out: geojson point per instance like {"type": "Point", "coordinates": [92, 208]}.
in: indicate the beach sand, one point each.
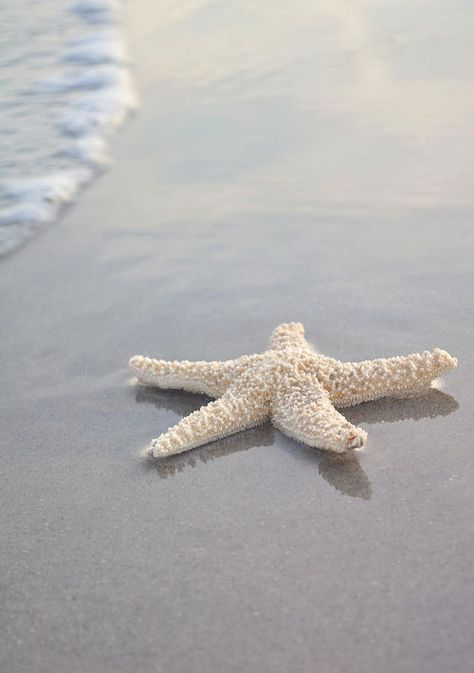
{"type": "Point", "coordinates": [274, 173]}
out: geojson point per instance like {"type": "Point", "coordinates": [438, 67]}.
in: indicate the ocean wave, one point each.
{"type": "Point", "coordinates": [89, 150]}
{"type": "Point", "coordinates": [93, 78]}
{"type": "Point", "coordinates": [97, 11]}
{"type": "Point", "coordinates": [101, 47]}
{"type": "Point", "coordinates": [96, 94]}
{"type": "Point", "coordinates": [36, 201]}
{"type": "Point", "coordinates": [99, 111]}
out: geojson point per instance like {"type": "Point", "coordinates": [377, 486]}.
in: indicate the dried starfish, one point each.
{"type": "Point", "coordinates": [290, 384]}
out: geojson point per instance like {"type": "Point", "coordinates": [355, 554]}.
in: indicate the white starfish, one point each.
{"type": "Point", "coordinates": [290, 384]}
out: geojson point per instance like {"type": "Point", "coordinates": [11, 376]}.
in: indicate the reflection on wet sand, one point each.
{"type": "Point", "coordinates": [177, 401]}
{"type": "Point", "coordinates": [343, 472]}
{"type": "Point", "coordinates": [249, 439]}
{"type": "Point", "coordinates": [346, 475]}
{"type": "Point", "coordinates": [391, 410]}
{"type": "Point", "coordinates": [328, 104]}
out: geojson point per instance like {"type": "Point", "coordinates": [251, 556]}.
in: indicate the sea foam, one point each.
{"type": "Point", "coordinates": [90, 150]}
{"type": "Point", "coordinates": [99, 77]}
{"type": "Point", "coordinates": [104, 46]}
{"type": "Point", "coordinates": [94, 89]}
{"type": "Point", "coordinates": [99, 111]}
{"type": "Point", "coordinates": [97, 11]}
{"type": "Point", "coordinates": [36, 201]}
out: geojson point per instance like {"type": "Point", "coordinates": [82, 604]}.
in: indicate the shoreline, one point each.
{"type": "Point", "coordinates": [233, 556]}
{"type": "Point", "coordinates": [83, 97]}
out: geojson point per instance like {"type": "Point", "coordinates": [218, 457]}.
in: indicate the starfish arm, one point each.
{"type": "Point", "coordinates": [209, 378]}
{"type": "Point", "coordinates": [355, 382]}
{"type": "Point", "coordinates": [303, 410]}
{"type": "Point", "coordinates": [233, 412]}
{"type": "Point", "coordinates": [288, 335]}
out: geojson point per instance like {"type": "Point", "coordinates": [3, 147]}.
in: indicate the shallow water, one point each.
{"type": "Point", "coordinates": [327, 104]}
{"type": "Point", "coordinates": [65, 85]}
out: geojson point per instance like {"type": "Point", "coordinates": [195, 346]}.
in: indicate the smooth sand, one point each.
{"type": "Point", "coordinates": [281, 168]}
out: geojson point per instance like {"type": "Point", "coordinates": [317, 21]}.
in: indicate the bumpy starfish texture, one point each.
{"type": "Point", "coordinates": [290, 384]}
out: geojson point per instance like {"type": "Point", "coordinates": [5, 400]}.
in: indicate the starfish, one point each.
{"type": "Point", "coordinates": [290, 384]}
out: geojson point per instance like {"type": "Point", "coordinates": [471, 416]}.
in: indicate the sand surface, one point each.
{"type": "Point", "coordinates": [315, 166]}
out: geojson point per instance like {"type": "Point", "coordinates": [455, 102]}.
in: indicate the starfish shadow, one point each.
{"type": "Point", "coordinates": [391, 410]}
{"type": "Point", "coordinates": [182, 403]}
{"type": "Point", "coordinates": [262, 435]}
{"type": "Point", "coordinates": [344, 473]}
{"type": "Point", "coordinates": [177, 401]}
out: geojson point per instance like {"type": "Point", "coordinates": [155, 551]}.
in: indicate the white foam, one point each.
{"type": "Point", "coordinates": [94, 48]}
{"type": "Point", "coordinates": [48, 188]}
{"type": "Point", "coordinates": [97, 99]}
{"type": "Point", "coordinates": [90, 150]}
{"type": "Point", "coordinates": [93, 78]}
{"type": "Point", "coordinates": [99, 111]}
{"type": "Point", "coordinates": [96, 11]}
{"type": "Point", "coordinates": [36, 201]}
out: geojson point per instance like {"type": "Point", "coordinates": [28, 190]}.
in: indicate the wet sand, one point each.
{"type": "Point", "coordinates": [312, 167]}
